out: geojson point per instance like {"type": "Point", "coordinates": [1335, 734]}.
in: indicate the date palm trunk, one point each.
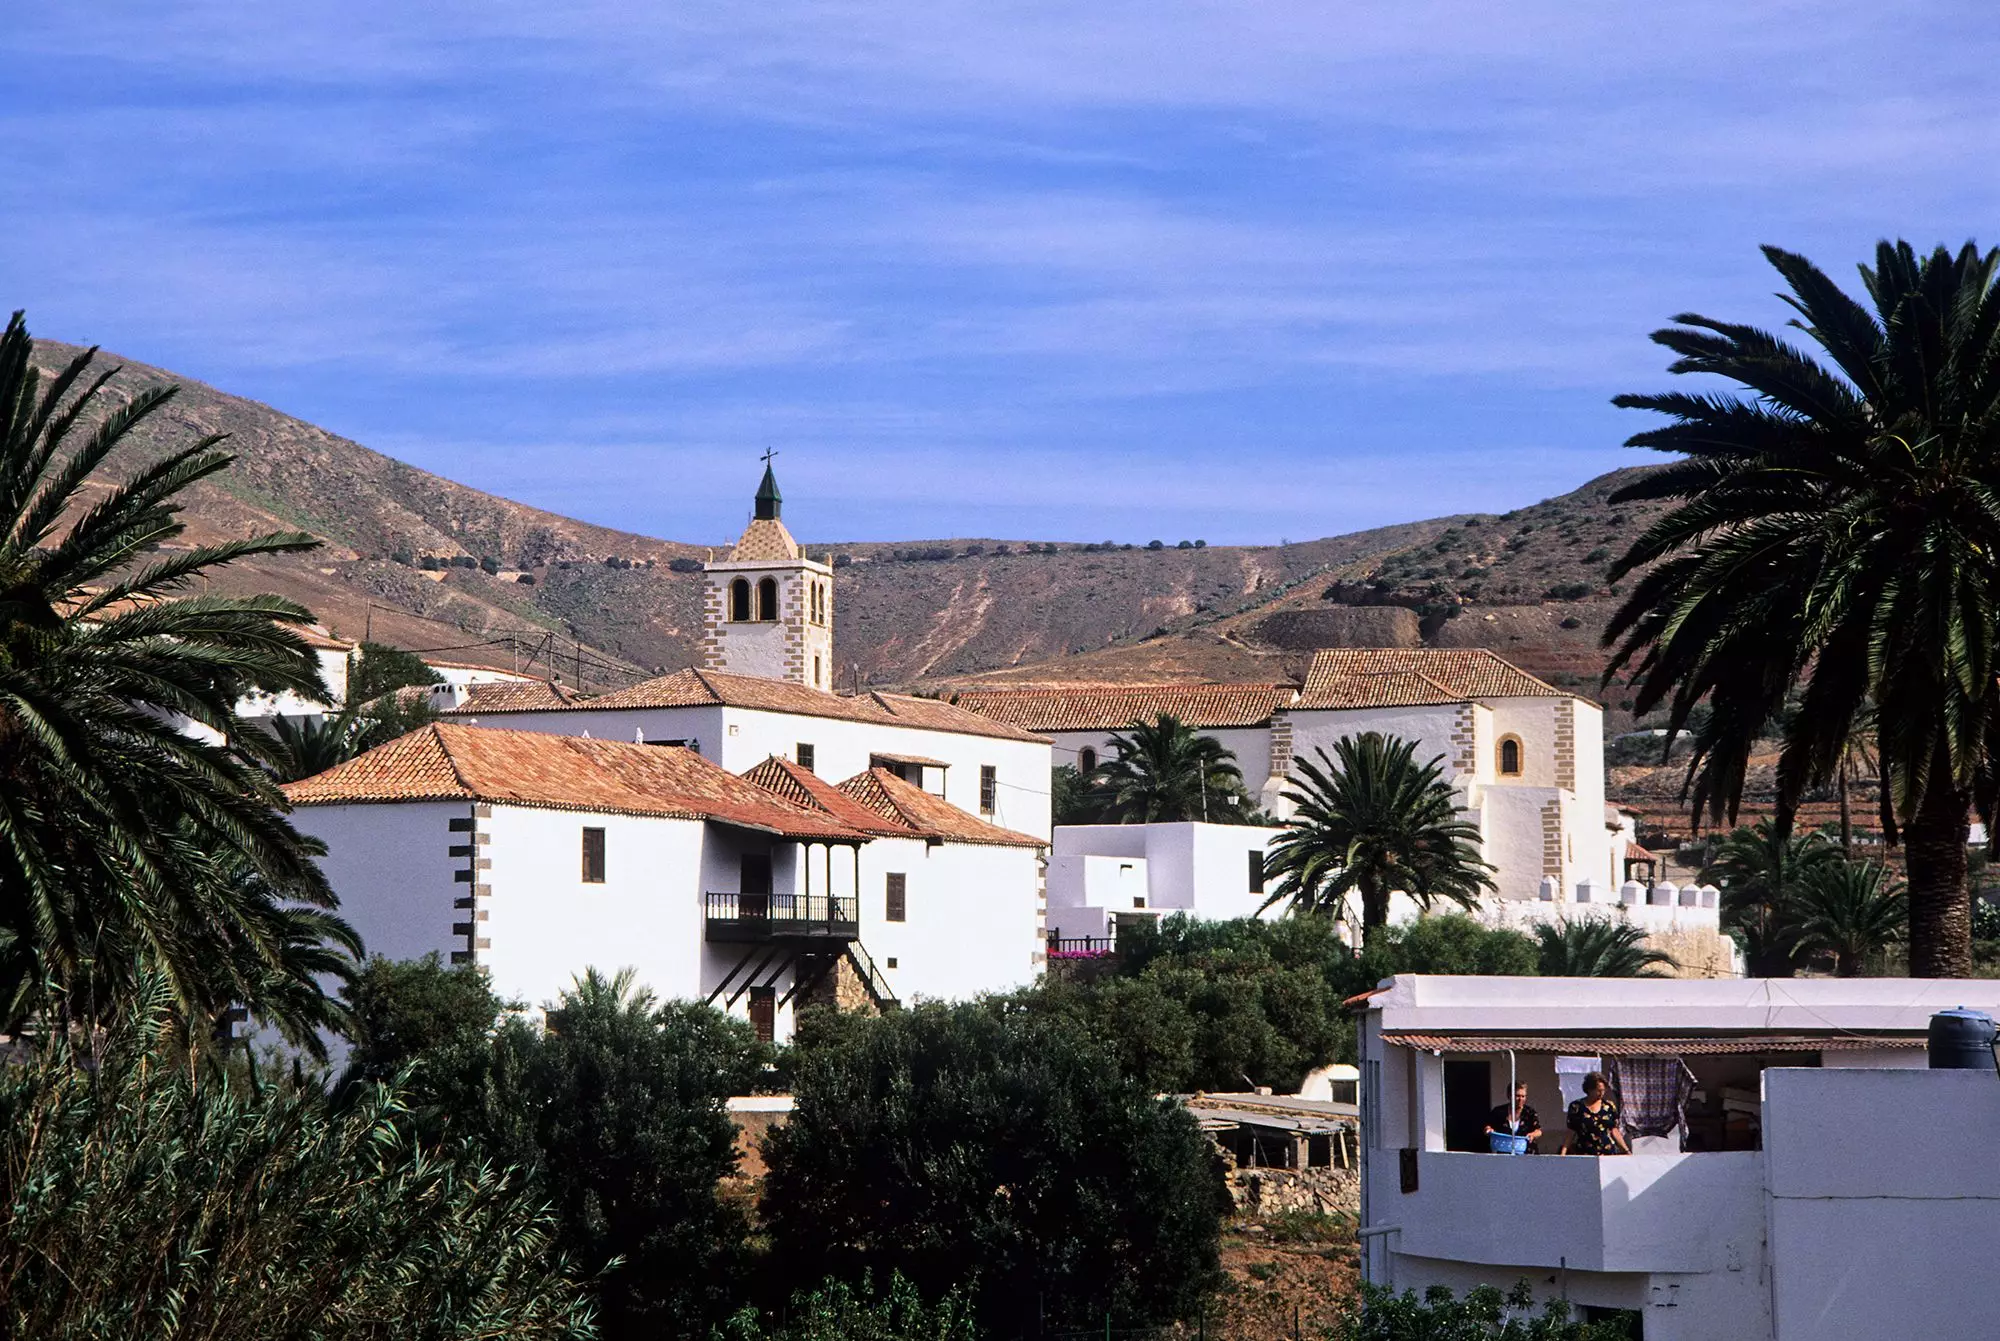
{"type": "Point", "coordinates": [1940, 910]}
{"type": "Point", "coordinates": [1374, 911]}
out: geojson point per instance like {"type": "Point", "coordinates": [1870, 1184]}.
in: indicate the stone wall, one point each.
{"type": "Point", "coordinates": [1322, 1191]}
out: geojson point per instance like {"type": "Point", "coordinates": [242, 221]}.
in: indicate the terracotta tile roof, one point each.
{"type": "Point", "coordinates": [802, 787]}
{"type": "Point", "coordinates": [1105, 707]}
{"type": "Point", "coordinates": [765, 539]}
{"type": "Point", "coordinates": [512, 696]}
{"type": "Point", "coordinates": [449, 762]}
{"type": "Point", "coordinates": [1389, 677]}
{"type": "Point", "coordinates": [703, 688]}
{"type": "Point", "coordinates": [927, 815]}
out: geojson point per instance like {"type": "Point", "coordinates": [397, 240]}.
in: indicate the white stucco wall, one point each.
{"type": "Point", "coordinates": [391, 868]}
{"type": "Point", "coordinates": [1874, 1237]}
{"type": "Point", "coordinates": [1200, 869]}
{"type": "Point", "coordinates": [547, 926]}
{"type": "Point", "coordinates": [1250, 744]}
{"type": "Point", "coordinates": [973, 921]}
{"type": "Point", "coordinates": [1430, 727]}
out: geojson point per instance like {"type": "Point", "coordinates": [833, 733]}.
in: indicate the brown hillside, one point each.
{"type": "Point", "coordinates": [930, 613]}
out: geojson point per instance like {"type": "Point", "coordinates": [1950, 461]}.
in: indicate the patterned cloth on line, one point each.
{"type": "Point", "coordinates": [1652, 1092]}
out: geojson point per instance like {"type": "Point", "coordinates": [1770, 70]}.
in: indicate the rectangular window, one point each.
{"type": "Point", "coordinates": [593, 856]}
{"type": "Point", "coordinates": [805, 756]}
{"type": "Point", "coordinates": [1256, 871]}
{"type": "Point", "coordinates": [764, 1012]}
{"type": "Point", "coordinates": [897, 903]}
{"type": "Point", "coordinates": [989, 789]}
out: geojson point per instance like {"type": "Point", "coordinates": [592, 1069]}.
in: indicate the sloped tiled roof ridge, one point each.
{"type": "Point", "coordinates": [511, 696]}
{"type": "Point", "coordinates": [802, 787]}
{"type": "Point", "coordinates": [1114, 707]}
{"type": "Point", "coordinates": [928, 816]}
{"type": "Point", "coordinates": [452, 762]}
{"type": "Point", "coordinates": [1382, 677]}
{"type": "Point", "coordinates": [706, 688]}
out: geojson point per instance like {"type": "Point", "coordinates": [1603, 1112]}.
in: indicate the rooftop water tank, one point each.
{"type": "Point", "coordinates": [1961, 1040]}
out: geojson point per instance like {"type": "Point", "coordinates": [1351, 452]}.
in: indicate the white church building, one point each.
{"type": "Point", "coordinates": [688, 826]}
{"type": "Point", "coordinates": [1526, 759]}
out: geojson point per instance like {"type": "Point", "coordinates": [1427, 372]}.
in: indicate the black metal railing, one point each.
{"type": "Point", "coordinates": [763, 916]}
{"type": "Point", "coordinates": [1082, 947]}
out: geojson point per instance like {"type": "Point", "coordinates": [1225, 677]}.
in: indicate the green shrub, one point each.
{"type": "Point", "coordinates": [998, 1150]}
{"type": "Point", "coordinates": [148, 1197]}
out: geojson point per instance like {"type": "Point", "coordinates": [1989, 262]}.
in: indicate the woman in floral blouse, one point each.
{"type": "Point", "coordinates": [1593, 1122]}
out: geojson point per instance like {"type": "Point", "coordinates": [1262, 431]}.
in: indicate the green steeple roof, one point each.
{"type": "Point", "coordinates": [769, 501]}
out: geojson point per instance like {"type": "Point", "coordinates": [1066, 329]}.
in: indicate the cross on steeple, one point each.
{"type": "Point", "coordinates": [769, 501]}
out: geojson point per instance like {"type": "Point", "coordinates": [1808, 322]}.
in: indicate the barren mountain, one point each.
{"type": "Point", "coordinates": [420, 561]}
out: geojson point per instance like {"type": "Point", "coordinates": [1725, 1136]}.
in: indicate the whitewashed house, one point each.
{"type": "Point", "coordinates": [1104, 876]}
{"type": "Point", "coordinates": [1526, 758]}
{"type": "Point", "coordinates": [950, 904]}
{"type": "Point", "coordinates": [1804, 1177]}
{"type": "Point", "coordinates": [539, 855]}
{"type": "Point", "coordinates": [765, 688]}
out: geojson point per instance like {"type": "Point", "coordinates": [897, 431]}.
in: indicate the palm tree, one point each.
{"type": "Point", "coordinates": [1597, 947]}
{"type": "Point", "coordinates": [1838, 527]}
{"type": "Point", "coordinates": [1372, 820]}
{"type": "Point", "coordinates": [126, 843]}
{"type": "Point", "coordinates": [1761, 870]}
{"type": "Point", "coordinates": [1164, 770]}
{"type": "Point", "coordinates": [1850, 910]}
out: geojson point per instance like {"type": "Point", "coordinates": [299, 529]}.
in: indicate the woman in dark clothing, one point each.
{"type": "Point", "coordinates": [1517, 1119]}
{"type": "Point", "coordinates": [1593, 1122]}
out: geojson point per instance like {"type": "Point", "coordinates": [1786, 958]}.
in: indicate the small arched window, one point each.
{"type": "Point", "coordinates": [824, 591]}
{"type": "Point", "coordinates": [767, 599]}
{"type": "Point", "coordinates": [739, 600]}
{"type": "Point", "coordinates": [1510, 757]}
{"type": "Point", "coordinates": [1086, 759]}
{"type": "Point", "coordinates": [818, 682]}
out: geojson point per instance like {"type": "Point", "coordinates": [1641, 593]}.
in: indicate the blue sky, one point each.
{"type": "Point", "coordinates": [1123, 270]}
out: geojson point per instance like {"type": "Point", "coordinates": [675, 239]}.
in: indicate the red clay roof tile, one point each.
{"type": "Point", "coordinates": [1391, 677]}
{"type": "Point", "coordinates": [927, 815]}
{"type": "Point", "coordinates": [447, 761]}
{"type": "Point", "coordinates": [1105, 707]}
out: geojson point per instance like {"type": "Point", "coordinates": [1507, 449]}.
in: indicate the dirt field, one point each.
{"type": "Point", "coordinates": [1287, 1276]}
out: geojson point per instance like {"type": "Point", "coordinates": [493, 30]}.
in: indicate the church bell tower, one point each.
{"type": "Point", "coordinates": [767, 610]}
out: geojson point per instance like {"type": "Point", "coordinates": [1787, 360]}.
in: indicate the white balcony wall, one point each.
{"type": "Point", "coordinates": [1882, 1232]}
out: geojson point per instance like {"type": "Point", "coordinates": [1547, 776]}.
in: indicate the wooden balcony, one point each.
{"type": "Point", "coordinates": [754, 918]}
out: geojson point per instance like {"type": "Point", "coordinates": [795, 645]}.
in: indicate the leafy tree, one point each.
{"type": "Point", "coordinates": [1851, 910]}
{"type": "Point", "coordinates": [1597, 947]}
{"type": "Point", "coordinates": [1164, 770]}
{"type": "Point", "coordinates": [1836, 528]}
{"type": "Point", "coordinates": [626, 1097]}
{"type": "Point", "coordinates": [126, 842]}
{"type": "Point", "coordinates": [997, 1149]}
{"type": "Point", "coordinates": [1371, 820]}
{"type": "Point", "coordinates": [148, 1197]}
{"type": "Point", "coordinates": [837, 1311]}
{"type": "Point", "coordinates": [443, 1035]}
{"type": "Point", "coordinates": [615, 1109]}
{"type": "Point", "coordinates": [1761, 870]}
{"type": "Point", "coordinates": [1070, 798]}
{"type": "Point", "coordinates": [1484, 1314]}
{"type": "Point", "coordinates": [1447, 943]}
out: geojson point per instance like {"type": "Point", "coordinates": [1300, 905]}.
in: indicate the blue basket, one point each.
{"type": "Point", "coordinates": [1506, 1143]}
